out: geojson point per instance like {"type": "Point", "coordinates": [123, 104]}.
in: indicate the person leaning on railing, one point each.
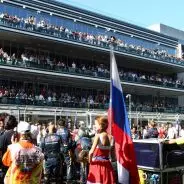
{"type": "Point", "coordinates": [152, 130]}
{"type": "Point", "coordinates": [104, 41]}
{"type": "Point", "coordinates": [178, 141]}
{"type": "Point", "coordinates": [27, 60]}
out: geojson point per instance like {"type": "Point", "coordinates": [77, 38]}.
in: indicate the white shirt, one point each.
{"type": "Point", "coordinates": [171, 133]}
{"type": "Point", "coordinates": [73, 65]}
{"type": "Point", "coordinates": [41, 97]}
{"type": "Point", "coordinates": [49, 99]}
{"type": "Point", "coordinates": [182, 133]}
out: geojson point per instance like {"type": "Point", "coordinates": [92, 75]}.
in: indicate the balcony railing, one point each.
{"type": "Point", "coordinates": [89, 73]}
{"type": "Point", "coordinates": [56, 103]}
{"type": "Point", "coordinates": [76, 104]}
{"type": "Point", "coordinates": [84, 38]}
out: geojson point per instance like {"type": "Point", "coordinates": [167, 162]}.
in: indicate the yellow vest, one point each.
{"type": "Point", "coordinates": [15, 176]}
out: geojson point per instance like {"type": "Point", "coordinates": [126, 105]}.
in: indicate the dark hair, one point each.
{"type": "Point", "coordinates": [10, 122]}
{"type": "Point", "coordinates": [3, 116]}
{"type": "Point", "coordinates": [135, 127]}
{"type": "Point", "coordinates": [61, 122]}
{"type": "Point", "coordinates": [26, 136]}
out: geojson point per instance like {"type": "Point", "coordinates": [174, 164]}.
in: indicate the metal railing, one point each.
{"type": "Point", "coordinates": [75, 37]}
{"type": "Point", "coordinates": [88, 73]}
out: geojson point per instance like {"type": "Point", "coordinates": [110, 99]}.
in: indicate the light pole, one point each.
{"type": "Point", "coordinates": [129, 96]}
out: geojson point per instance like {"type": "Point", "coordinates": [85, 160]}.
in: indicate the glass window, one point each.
{"type": "Point", "coordinates": [80, 27]}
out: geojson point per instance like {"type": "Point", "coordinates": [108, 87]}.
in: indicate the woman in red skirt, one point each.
{"type": "Point", "coordinates": [100, 169]}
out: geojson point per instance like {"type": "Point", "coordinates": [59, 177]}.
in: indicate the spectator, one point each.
{"type": "Point", "coordinates": [145, 131]}
{"type": "Point", "coordinates": [152, 130]}
{"type": "Point", "coordinates": [73, 65]}
{"type": "Point", "coordinates": [29, 169]}
{"type": "Point", "coordinates": [10, 123]}
{"type": "Point", "coordinates": [101, 40]}
{"type": "Point", "coordinates": [2, 117]}
{"type": "Point", "coordinates": [182, 131]}
{"type": "Point", "coordinates": [171, 134]}
{"type": "Point", "coordinates": [134, 133]}
{"type": "Point", "coordinates": [161, 132]}
{"type": "Point", "coordinates": [51, 146]}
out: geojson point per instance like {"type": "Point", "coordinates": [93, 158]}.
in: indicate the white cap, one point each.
{"type": "Point", "coordinates": [23, 127]}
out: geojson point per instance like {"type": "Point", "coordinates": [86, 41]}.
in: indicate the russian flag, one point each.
{"type": "Point", "coordinates": [120, 129]}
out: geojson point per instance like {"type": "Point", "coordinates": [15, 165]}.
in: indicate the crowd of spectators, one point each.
{"type": "Point", "coordinates": [28, 59]}
{"type": "Point", "coordinates": [75, 98]}
{"type": "Point", "coordinates": [155, 106]}
{"type": "Point", "coordinates": [102, 40]}
{"type": "Point", "coordinates": [43, 97]}
{"type": "Point", "coordinates": [169, 130]}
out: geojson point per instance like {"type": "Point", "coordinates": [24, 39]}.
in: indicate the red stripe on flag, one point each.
{"type": "Point", "coordinates": [125, 152]}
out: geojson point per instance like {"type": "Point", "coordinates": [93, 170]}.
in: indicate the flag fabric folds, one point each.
{"type": "Point", "coordinates": [120, 128]}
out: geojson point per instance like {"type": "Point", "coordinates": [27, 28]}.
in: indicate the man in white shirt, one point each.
{"type": "Point", "coordinates": [171, 134]}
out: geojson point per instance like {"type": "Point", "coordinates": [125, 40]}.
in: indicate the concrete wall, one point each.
{"type": "Point", "coordinates": [176, 33]}
{"type": "Point", "coordinates": [167, 30]}
{"type": "Point", "coordinates": [170, 31]}
{"type": "Point", "coordinates": [181, 101]}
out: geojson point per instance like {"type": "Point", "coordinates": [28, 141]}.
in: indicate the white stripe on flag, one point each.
{"type": "Point", "coordinates": [88, 182]}
{"type": "Point", "coordinates": [114, 73]}
{"type": "Point", "coordinates": [123, 174]}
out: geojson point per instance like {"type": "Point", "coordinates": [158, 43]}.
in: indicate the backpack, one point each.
{"type": "Point", "coordinates": [28, 158]}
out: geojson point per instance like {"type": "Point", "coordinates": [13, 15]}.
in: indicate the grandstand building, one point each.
{"type": "Point", "coordinates": [54, 61]}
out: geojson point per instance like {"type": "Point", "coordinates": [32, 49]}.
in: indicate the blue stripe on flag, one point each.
{"type": "Point", "coordinates": [119, 110]}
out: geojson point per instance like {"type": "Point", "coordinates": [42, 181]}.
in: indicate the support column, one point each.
{"type": "Point", "coordinates": [180, 76]}
{"type": "Point", "coordinates": [181, 101]}
{"type": "Point", "coordinates": [179, 51]}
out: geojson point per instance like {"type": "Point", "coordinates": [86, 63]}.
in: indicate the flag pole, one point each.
{"type": "Point", "coordinates": [120, 128]}
{"type": "Point", "coordinates": [110, 120]}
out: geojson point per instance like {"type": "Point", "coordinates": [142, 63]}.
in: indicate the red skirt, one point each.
{"type": "Point", "coordinates": [101, 172]}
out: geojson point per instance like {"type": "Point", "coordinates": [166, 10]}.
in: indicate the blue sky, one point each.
{"type": "Point", "coordinates": [140, 12]}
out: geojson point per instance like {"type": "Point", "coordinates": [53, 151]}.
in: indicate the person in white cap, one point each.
{"type": "Point", "coordinates": [23, 158]}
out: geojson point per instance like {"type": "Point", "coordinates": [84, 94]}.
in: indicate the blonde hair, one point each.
{"type": "Point", "coordinates": [152, 123]}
